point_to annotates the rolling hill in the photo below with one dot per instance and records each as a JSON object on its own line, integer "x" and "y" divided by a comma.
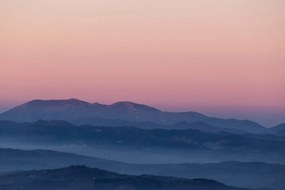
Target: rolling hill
{"x": 81, "y": 177}
{"x": 241, "y": 174}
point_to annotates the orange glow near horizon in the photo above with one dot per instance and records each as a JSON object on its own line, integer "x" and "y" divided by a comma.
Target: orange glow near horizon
{"x": 187, "y": 54}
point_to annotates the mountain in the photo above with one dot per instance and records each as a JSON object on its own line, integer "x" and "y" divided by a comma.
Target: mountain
{"x": 76, "y": 111}
{"x": 81, "y": 177}
{"x": 48, "y": 109}
{"x": 241, "y": 174}
{"x": 194, "y": 144}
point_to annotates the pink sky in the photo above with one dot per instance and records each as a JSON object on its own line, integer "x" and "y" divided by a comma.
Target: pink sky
{"x": 222, "y": 57}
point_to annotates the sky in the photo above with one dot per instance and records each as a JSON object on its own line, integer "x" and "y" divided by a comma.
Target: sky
{"x": 220, "y": 57}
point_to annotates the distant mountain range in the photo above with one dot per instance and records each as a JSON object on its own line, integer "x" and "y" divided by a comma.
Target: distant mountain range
{"x": 198, "y": 145}
{"x": 241, "y": 174}
{"x": 81, "y": 177}
{"x": 120, "y": 113}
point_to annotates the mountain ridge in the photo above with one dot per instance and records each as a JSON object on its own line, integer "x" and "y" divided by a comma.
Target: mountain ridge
{"x": 81, "y": 177}
{"x": 75, "y": 109}
{"x": 217, "y": 146}
{"x": 247, "y": 174}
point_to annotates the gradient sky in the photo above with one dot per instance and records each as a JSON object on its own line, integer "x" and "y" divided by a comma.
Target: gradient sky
{"x": 220, "y": 57}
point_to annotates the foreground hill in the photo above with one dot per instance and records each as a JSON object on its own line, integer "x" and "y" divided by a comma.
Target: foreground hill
{"x": 241, "y": 174}
{"x": 81, "y": 177}
{"x": 78, "y": 111}
{"x": 192, "y": 143}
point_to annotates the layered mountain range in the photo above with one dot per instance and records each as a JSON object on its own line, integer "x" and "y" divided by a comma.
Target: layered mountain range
{"x": 135, "y": 139}
{"x": 240, "y": 174}
{"x": 118, "y": 114}
{"x": 196, "y": 145}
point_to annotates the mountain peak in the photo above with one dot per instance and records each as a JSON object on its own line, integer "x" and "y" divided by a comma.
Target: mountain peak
{"x": 98, "y": 104}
